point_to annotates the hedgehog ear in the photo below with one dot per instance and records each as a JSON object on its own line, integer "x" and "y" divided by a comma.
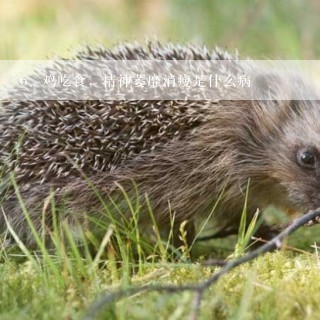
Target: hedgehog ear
{"x": 269, "y": 87}
{"x": 291, "y": 89}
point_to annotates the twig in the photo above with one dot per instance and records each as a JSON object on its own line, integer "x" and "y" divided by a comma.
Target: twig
{"x": 196, "y": 305}
{"x": 200, "y": 288}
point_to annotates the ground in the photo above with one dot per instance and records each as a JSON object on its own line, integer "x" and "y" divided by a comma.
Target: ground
{"x": 65, "y": 284}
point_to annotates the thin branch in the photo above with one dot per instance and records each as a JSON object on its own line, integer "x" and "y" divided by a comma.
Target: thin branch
{"x": 196, "y": 305}
{"x": 199, "y": 289}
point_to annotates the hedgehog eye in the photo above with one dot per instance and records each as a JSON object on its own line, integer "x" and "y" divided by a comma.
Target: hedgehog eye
{"x": 307, "y": 159}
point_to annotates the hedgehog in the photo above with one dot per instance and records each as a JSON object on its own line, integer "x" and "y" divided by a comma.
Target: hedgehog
{"x": 182, "y": 158}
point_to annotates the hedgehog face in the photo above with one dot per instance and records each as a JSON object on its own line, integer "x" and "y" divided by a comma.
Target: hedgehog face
{"x": 295, "y": 159}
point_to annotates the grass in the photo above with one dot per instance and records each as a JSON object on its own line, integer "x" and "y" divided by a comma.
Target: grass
{"x": 279, "y": 285}
{"x": 66, "y": 279}
{"x": 63, "y": 283}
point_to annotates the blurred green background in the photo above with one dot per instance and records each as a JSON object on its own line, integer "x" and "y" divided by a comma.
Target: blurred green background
{"x": 282, "y": 29}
